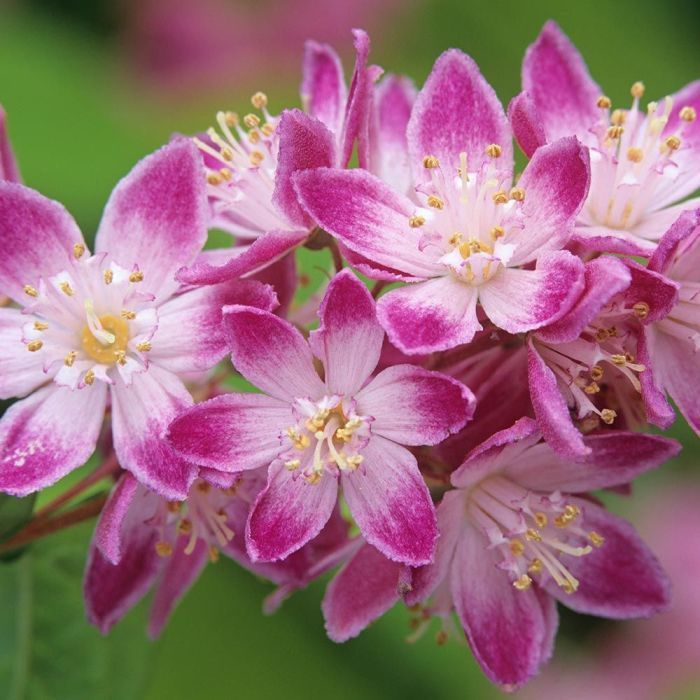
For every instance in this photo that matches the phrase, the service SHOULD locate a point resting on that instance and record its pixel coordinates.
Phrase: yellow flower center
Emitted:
(99, 347)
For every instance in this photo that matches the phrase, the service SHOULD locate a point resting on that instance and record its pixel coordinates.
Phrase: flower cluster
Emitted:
(439, 436)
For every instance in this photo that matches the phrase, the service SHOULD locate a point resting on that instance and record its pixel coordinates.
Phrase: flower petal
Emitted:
(8, 164)
(288, 513)
(323, 90)
(686, 228)
(271, 354)
(458, 111)
(621, 579)
(304, 142)
(608, 240)
(429, 316)
(349, 339)
(526, 124)
(141, 413)
(362, 591)
(557, 80)
(20, 371)
(391, 504)
(47, 435)
(37, 235)
(367, 216)
(231, 432)
(109, 529)
(523, 300)
(413, 406)
(156, 217)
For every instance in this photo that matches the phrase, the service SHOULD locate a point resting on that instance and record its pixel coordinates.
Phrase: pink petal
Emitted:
(367, 216)
(108, 531)
(556, 184)
(38, 236)
(8, 164)
(323, 90)
(391, 504)
(655, 290)
(608, 240)
(604, 278)
(304, 142)
(349, 339)
(361, 592)
(179, 573)
(557, 80)
(658, 410)
(156, 217)
(271, 354)
(458, 111)
(231, 432)
(282, 277)
(687, 226)
(141, 413)
(506, 628)
(190, 335)
(264, 251)
(20, 371)
(522, 300)
(288, 513)
(429, 316)
(526, 124)
(622, 579)
(47, 435)
(413, 406)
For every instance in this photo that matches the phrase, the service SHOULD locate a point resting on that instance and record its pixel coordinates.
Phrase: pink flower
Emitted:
(466, 235)
(113, 329)
(519, 532)
(142, 540)
(250, 162)
(346, 430)
(640, 163)
(8, 164)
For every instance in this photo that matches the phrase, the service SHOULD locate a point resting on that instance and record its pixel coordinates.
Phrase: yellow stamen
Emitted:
(518, 194)
(78, 250)
(523, 582)
(89, 377)
(687, 114)
(493, 150)
(596, 539)
(259, 100)
(604, 102)
(635, 154)
(673, 143)
(66, 289)
(435, 202)
(608, 415)
(108, 276)
(500, 197)
(40, 326)
(30, 291)
(34, 345)
(431, 162)
(164, 549)
(144, 347)
(596, 373)
(416, 221)
(70, 358)
(136, 276)
(637, 90)
(641, 309)
(128, 315)
(497, 232)
(252, 121)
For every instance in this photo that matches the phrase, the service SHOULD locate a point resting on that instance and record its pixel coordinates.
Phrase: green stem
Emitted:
(23, 628)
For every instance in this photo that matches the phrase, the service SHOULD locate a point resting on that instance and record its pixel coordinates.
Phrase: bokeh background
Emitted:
(90, 86)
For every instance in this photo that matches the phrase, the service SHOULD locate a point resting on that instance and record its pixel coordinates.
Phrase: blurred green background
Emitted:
(92, 86)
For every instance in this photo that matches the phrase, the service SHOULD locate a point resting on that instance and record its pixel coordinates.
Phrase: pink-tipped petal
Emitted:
(607, 240)
(109, 529)
(156, 217)
(430, 316)
(288, 513)
(141, 413)
(349, 339)
(458, 111)
(526, 124)
(556, 183)
(323, 90)
(658, 292)
(658, 410)
(391, 504)
(362, 591)
(414, 406)
(523, 300)
(47, 435)
(557, 80)
(8, 165)
(367, 216)
(283, 278)
(231, 432)
(271, 354)
(304, 142)
(20, 371)
(37, 235)
(685, 228)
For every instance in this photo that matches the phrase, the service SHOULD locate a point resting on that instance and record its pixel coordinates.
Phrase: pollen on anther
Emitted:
(214, 179)
(517, 547)
(635, 154)
(637, 89)
(595, 539)
(416, 221)
(435, 202)
(231, 118)
(430, 162)
(144, 347)
(497, 232)
(608, 416)
(673, 143)
(641, 309)
(128, 315)
(522, 583)
(89, 377)
(120, 357)
(136, 276)
(184, 527)
(30, 291)
(493, 150)
(614, 132)
(617, 118)
(604, 102)
(34, 345)
(252, 121)
(620, 360)
(518, 194)
(163, 549)
(688, 114)
(597, 373)
(256, 157)
(66, 289)
(70, 358)
(500, 197)
(540, 519)
(535, 566)
(532, 535)
(40, 326)
(108, 276)
(78, 250)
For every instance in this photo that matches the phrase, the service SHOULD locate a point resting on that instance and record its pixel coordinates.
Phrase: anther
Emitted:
(259, 100)
(252, 121)
(518, 194)
(637, 90)
(128, 315)
(184, 527)
(435, 202)
(213, 554)
(532, 535)
(614, 132)
(292, 464)
(673, 143)
(254, 137)
(136, 276)
(267, 129)
(522, 583)
(497, 232)
(226, 174)
(34, 345)
(164, 549)
(144, 347)
(108, 276)
(78, 250)
(431, 162)
(30, 291)
(120, 357)
(641, 309)
(592, 388)
(441, 637)
(66, 289)
(231, 118)
(500, 197)
(40, 325)
(604, 102)
(687, 114)
(214, 179)
(70, 358)
(493, 150)
(595, 539)
(635, 154)
(608, 415)
(620, 360)
(597, 373)
(89, 377)
(568, 587)
(540, 519)
(203, 487)
(416, 221)
(173, 506)
(256, 157)
(535, 566)
(516, 547)
(618, 117)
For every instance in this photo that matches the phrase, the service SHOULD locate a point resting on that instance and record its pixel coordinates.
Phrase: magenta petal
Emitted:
(179, 573)
(367, 216)
(507, 629)
(432, 405)
(622, 579)
(141, 413)
(557, 80)
(526, 124)
(687, 226)
(282, 277)
(271, 354)
(156, 217)
(323, 90)
(304, 142)
(349, 339)
(231, 432)
(458, 111)
(108, 531)
(522, 300)
(391, 504)
(47, 435)
(8, 164)
(607, 240)
(37, 235)
(288, 513)
(659, 293)
(264, 251)
(362, 591)
(20, 371)
(438, 314)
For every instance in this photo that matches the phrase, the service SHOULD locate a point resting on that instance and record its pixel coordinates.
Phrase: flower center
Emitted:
(532, 531)
(104, 339)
